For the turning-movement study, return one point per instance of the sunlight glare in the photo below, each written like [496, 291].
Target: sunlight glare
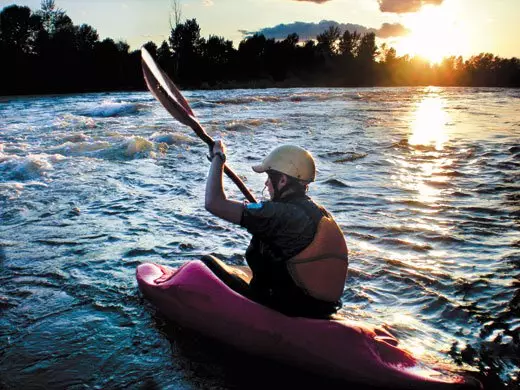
[417, 349]
[429, 123]
[435, 33]
[404, 319]
[423, 169]
[428, 194]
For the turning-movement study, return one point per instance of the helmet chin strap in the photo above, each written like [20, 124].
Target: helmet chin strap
[278, 193]
[263, 196]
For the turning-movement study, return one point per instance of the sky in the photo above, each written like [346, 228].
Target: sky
[429, 28]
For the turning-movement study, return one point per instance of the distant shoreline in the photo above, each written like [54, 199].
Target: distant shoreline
[242, 86]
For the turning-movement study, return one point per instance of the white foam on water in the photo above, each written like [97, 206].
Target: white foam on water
[28, 167]
[203, 104]
[110, 109]
[171, 138]
[138, 147]
[74, 121]
[80, 137]
[80, 148]
[117, 146]
[13, 185]
[11, 190]
[20, 147]
[236, 126]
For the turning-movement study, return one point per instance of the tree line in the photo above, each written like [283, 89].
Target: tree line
[43, 51]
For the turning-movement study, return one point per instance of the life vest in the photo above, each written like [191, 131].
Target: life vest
[321, 268]
[310, 281]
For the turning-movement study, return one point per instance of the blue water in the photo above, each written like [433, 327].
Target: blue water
[424, 182]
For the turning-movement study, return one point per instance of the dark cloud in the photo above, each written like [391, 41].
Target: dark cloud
[388, 30]
[404, 6]
[307, 31]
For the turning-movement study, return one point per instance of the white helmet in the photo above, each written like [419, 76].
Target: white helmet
[290, 160]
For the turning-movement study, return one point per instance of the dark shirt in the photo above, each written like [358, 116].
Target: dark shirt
[280, 231]
[284, 227]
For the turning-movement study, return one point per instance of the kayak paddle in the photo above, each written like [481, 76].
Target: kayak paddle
[165, 91]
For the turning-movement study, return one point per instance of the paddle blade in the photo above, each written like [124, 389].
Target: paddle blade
[164, 80]
[163, 89]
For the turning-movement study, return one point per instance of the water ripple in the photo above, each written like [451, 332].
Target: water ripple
[430, 210]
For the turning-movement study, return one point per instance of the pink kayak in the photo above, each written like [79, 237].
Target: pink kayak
[193, 297]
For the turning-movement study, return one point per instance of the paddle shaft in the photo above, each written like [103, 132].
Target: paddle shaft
[167, 93]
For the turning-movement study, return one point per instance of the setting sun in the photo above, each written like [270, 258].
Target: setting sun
[434, 34]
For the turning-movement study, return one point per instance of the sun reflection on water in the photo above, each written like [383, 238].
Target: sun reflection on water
[423, 171]
[429, 124]
[400, 319]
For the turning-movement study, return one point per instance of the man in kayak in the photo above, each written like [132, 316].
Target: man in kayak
[297, 255]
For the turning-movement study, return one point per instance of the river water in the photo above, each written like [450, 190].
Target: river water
[424, 182]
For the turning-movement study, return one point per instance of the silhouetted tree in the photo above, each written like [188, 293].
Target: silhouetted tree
[19, 37]
[18, 29]
[217, 54]
[186, 43]
[289, 56]
[367, 49]
[349, 44]
[309, 55]
[366, 55]
[328, 42]
[86, 38]
[175, 14]
[164, 56]
[44, 52]
[346, 63]
[251, 54]
[481, 69]
[509, 73]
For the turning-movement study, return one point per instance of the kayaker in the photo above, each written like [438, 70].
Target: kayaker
[298, 255]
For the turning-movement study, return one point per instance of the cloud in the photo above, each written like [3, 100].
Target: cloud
[304, 30]
[208, 3]
[307, 31]
[404, 6]
[388, 30]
